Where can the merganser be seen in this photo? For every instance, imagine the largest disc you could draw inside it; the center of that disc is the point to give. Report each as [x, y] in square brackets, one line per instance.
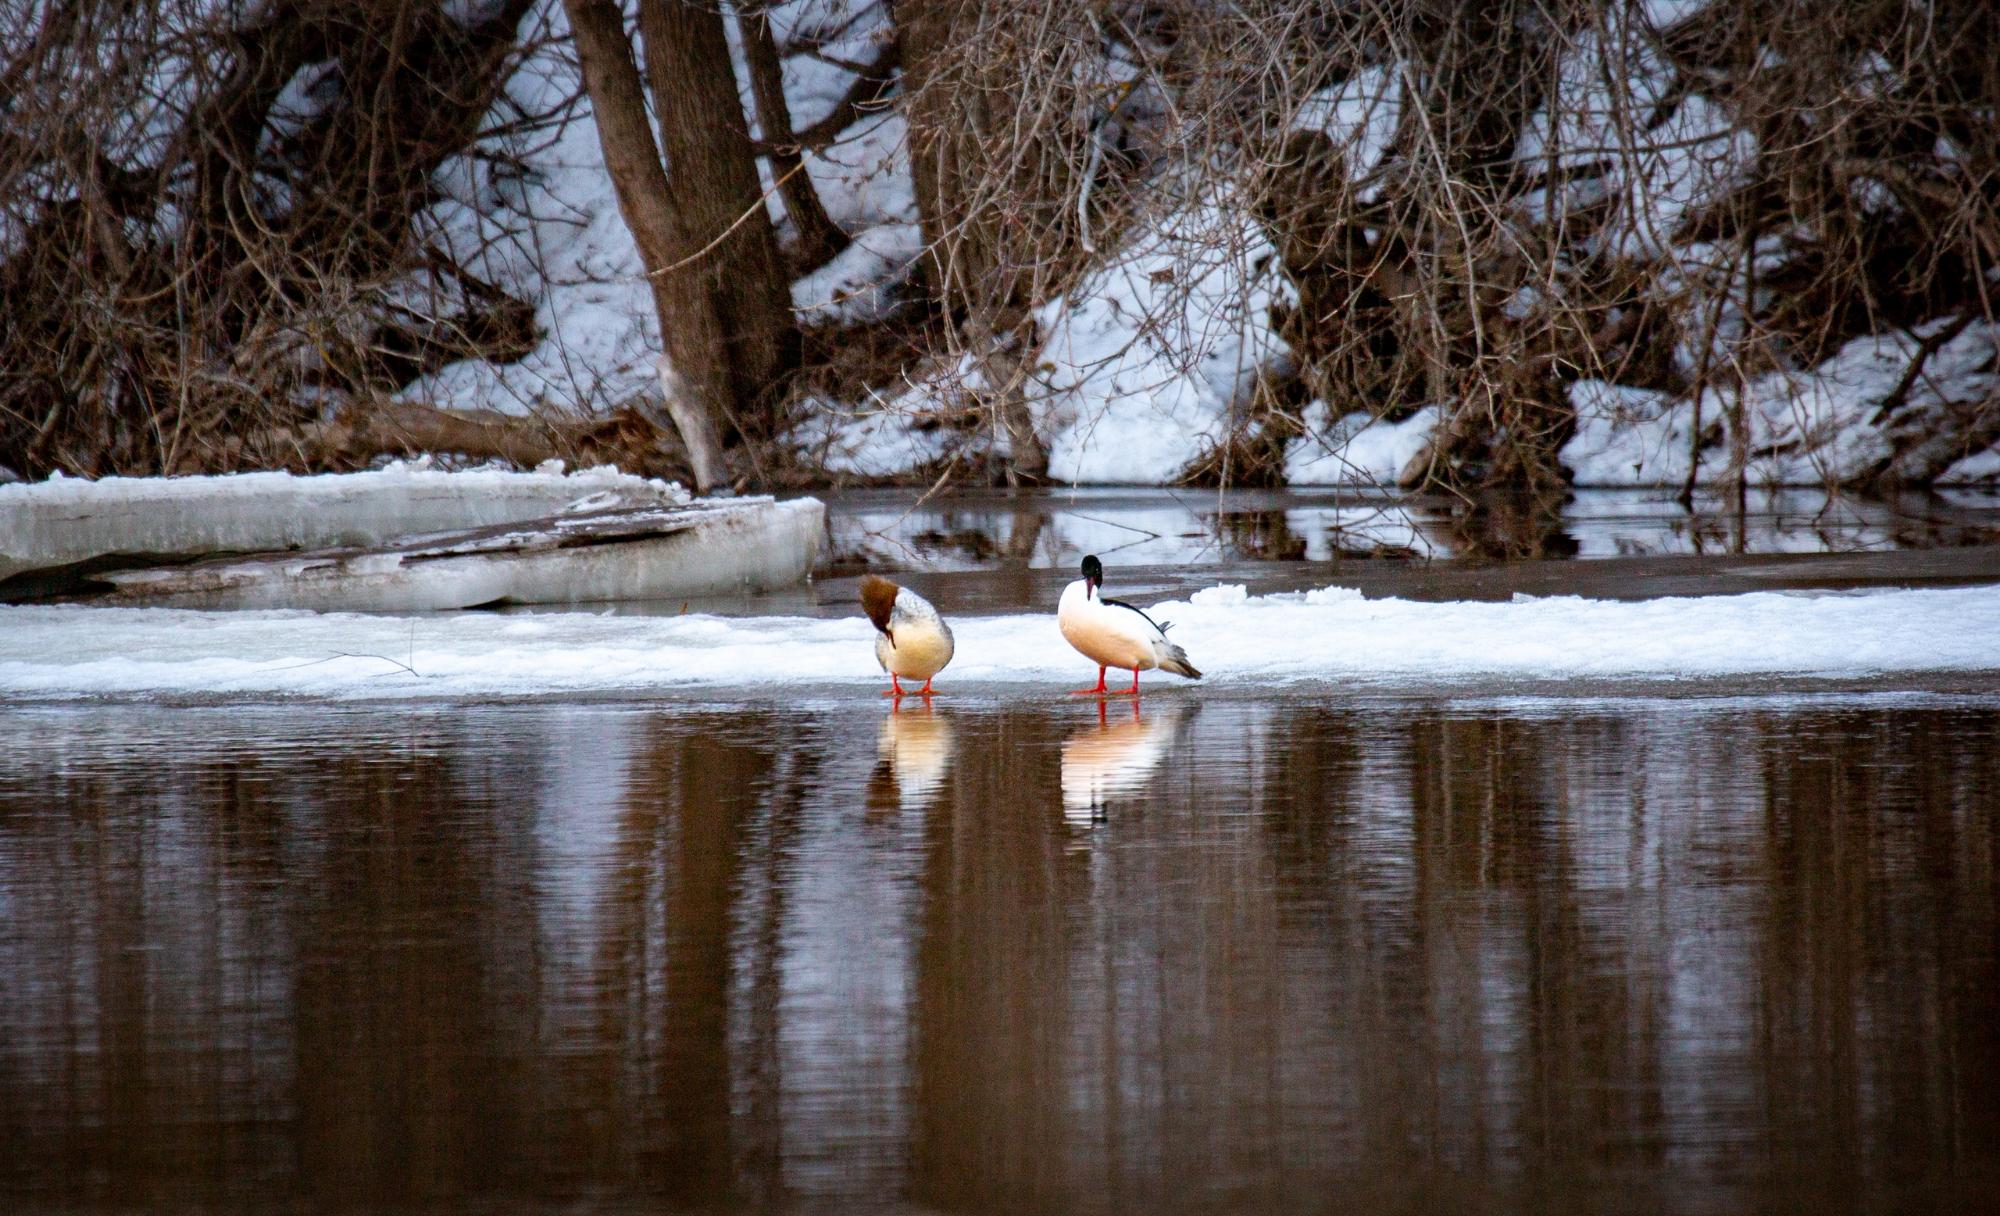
[914, 643]
[1112, 633]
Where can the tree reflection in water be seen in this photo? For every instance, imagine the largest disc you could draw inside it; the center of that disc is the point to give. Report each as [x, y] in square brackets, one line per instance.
[1699, 954]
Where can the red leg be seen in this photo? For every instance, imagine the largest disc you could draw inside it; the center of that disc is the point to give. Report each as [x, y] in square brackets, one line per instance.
[895, 688]
[1091, 692]
[1134, 690]
[925, 691]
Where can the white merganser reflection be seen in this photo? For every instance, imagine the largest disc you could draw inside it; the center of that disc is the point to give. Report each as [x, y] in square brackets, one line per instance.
[1104, 760]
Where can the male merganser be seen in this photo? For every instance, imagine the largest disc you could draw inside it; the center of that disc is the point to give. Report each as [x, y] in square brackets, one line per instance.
[1112, 633]
[914, 641]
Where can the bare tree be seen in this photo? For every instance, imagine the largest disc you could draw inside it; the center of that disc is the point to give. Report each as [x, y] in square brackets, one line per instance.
[693, 205]
[999, 100]
[205, 222]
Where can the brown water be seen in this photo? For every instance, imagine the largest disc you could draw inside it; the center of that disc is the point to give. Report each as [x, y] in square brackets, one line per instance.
[1320, 954]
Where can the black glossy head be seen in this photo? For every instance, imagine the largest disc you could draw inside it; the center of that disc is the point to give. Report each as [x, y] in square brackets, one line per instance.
[1093, 571]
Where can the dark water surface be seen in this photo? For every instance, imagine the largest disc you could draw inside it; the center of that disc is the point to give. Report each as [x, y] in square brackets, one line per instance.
[1308, 953]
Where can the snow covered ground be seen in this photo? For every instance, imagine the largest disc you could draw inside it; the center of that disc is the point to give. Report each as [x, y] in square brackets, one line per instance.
[1240, 641]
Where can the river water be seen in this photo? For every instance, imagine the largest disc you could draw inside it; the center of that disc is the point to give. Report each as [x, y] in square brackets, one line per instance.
[1299, 952]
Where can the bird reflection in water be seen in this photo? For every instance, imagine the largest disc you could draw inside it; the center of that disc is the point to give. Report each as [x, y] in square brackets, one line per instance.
[915, 749]
[1106, 760]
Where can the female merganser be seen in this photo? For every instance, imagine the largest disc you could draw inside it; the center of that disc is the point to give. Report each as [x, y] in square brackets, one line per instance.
[1112, 633]
[914, 641]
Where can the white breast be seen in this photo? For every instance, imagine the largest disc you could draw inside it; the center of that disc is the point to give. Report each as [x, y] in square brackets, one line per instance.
[1104, 633]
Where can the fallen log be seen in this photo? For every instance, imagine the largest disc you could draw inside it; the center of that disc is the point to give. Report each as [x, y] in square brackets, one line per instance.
[364, 430]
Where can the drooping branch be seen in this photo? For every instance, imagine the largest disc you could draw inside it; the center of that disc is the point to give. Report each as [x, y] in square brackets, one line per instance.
[872, 85]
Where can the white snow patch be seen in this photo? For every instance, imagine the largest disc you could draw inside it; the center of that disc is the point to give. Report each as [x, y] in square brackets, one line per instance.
[1356, 450]
[1142, 362]
[1978, 468]
[1359, 115]
[1657, 170]
[1221, 593]
[541, 220]
[1665, 14]
[1333, 634]
[883, 437]
[863, 178]
[1626, 436]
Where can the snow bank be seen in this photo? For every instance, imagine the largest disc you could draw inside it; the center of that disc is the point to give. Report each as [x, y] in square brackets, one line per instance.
[1810, 427]
[1686, 153]
[1807, 427]
[1134, 378]
[1357, 450]
[1332, 634]
[1142, 362]
[65, 520]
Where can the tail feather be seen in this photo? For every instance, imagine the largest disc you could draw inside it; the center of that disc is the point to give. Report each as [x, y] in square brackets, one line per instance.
[1170, 657]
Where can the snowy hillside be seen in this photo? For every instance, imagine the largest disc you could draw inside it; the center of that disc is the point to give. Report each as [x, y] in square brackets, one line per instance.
[1145, 364]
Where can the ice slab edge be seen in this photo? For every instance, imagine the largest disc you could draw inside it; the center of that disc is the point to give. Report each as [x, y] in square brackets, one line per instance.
[703, 548]
[62, 521]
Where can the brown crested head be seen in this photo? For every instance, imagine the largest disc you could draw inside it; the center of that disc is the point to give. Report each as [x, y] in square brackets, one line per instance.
[878, 597]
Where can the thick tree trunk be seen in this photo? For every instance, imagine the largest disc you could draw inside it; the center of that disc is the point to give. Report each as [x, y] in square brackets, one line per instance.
[723, 304]
[713, 168]
[819, 237]
[689, 328]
